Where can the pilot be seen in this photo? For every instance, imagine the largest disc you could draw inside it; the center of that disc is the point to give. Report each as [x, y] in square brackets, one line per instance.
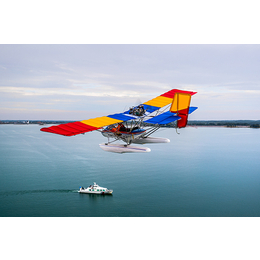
[121, 127]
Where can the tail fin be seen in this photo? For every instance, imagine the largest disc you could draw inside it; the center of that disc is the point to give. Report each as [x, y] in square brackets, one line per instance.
[181, 105]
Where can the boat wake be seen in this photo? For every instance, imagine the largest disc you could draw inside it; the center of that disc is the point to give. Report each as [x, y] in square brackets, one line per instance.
[23, 192]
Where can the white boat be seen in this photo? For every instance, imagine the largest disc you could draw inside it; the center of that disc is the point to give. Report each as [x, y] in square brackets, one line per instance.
[95, 189]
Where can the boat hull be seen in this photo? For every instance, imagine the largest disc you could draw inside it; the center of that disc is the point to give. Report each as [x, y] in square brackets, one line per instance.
[96, 192]
[121, 148]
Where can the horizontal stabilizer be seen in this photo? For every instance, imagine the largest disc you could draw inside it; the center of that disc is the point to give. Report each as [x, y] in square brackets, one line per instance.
[163, 119]
[192, 109]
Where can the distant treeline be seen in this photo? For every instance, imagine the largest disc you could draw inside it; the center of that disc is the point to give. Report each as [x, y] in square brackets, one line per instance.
[37, 122]
[226, 123]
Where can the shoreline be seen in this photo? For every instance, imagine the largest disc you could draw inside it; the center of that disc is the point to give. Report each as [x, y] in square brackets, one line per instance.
[193, 125]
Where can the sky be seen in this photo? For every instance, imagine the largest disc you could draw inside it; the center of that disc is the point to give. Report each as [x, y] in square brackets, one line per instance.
[80, 81]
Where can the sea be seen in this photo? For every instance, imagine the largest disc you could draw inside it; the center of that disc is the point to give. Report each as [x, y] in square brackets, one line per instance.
[202, 172]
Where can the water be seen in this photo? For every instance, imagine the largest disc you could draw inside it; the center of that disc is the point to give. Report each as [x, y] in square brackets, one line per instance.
[201, 172]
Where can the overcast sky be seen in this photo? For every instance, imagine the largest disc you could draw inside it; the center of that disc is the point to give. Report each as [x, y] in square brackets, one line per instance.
[76, 82]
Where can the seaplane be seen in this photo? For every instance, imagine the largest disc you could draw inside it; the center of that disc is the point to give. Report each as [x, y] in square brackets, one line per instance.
[136, 125]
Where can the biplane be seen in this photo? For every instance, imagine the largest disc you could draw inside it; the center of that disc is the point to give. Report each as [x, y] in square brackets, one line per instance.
[136, 125]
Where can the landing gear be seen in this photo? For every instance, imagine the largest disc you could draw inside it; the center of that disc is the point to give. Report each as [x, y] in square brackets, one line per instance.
[128, 143]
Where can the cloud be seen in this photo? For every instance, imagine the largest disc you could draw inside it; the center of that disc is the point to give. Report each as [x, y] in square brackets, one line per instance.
[82, 91]
[86, 77]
